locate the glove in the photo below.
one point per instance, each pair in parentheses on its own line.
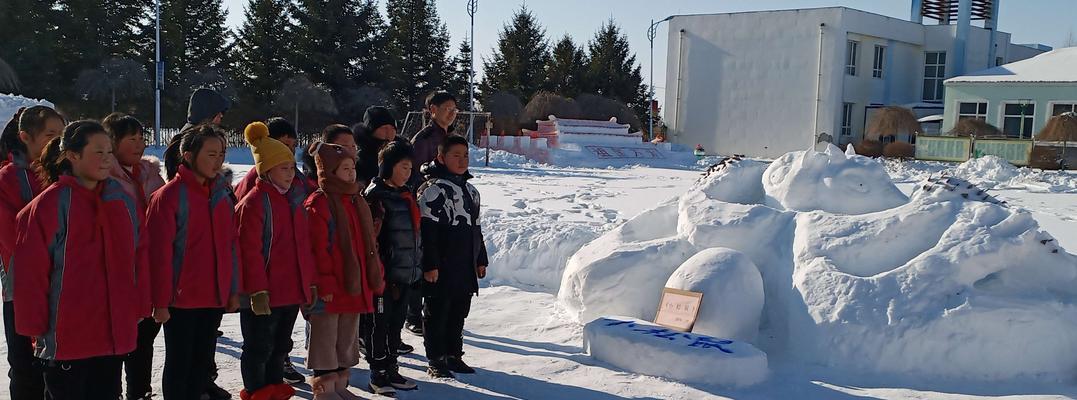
(260,303)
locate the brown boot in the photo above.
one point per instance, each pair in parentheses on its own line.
(342,385)
(324,387)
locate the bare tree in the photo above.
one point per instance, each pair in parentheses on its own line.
(121,77)
(300,94)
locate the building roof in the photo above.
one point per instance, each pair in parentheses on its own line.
(1057,66)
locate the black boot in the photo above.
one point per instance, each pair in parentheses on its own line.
(439,369)
(457,365)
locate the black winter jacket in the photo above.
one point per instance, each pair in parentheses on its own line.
(399,242)
(452,239)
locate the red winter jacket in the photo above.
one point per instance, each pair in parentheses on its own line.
(248,183)
(328,259)
(18,185)
(82,270)
(193,249)
(274,243)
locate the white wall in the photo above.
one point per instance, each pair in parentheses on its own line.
(749,80)
(746,83)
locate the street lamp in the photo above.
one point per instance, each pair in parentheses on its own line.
(652,31)
(472,6)
(159,69)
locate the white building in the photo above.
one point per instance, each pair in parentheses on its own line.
(768,82)
(1018,98)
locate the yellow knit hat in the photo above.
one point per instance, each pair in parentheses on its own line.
(268,152)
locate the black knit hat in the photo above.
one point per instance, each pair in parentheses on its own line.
(377,116)
(391,155)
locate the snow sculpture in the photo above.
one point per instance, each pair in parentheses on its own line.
(732,292)
(950,283)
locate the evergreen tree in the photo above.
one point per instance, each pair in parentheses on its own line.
(567,71)
(338,44)
(612,71)
(195,43)
(95,40)
(459,82)
(29,37)
(263,59)
(518,64)
(418,46)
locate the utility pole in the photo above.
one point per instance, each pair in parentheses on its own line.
(472,6)
(159,81)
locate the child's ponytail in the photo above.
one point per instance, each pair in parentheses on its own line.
(190,140)
(9,139)
(75,138)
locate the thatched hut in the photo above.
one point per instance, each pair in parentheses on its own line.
(1059,128)
(544,104)
(899,122)
(974,127)
(869,148)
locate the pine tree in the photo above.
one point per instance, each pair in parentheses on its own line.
(263,59)
(95,40)
(567,71)
(612,70)
(195,47)
(338,45)
(418,46)
(29,35)
(459,82)
(518,64)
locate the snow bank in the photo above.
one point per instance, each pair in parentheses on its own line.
(951,283)
(732,292)
(988,172)
(10,103)
(642,347)
(531,252)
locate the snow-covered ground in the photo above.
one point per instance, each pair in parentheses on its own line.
(527,346)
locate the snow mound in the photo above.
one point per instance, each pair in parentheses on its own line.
(531,252)
(642,347)
(732,292)
(10,103)
(950,283)
(988,171)
(498,158)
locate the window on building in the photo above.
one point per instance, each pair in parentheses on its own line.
(877,64)
(972,110)
(852,51)
(1017,119)
(847,119)
(934,74)
(1062,108)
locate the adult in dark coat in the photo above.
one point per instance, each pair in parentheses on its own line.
(442,108)
(377,129)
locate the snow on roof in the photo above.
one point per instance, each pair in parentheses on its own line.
(1057,66)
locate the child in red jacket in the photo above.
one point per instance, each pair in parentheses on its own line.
(139,176)
(194,260)
(276,263)
(20,147)
(82,268)
(349,274)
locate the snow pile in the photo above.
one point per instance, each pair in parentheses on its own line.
(10,103)
(987,171)
(498,158)
(950,283)
(531,252)
(639,346)
(732,292)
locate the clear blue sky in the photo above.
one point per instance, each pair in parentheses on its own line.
(1048,22)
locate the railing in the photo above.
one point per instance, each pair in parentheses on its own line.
(1020,152)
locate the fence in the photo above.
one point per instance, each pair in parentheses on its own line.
(1020,152)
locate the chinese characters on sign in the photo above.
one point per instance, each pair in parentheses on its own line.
(614,152)
(678,309)
(696,341)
